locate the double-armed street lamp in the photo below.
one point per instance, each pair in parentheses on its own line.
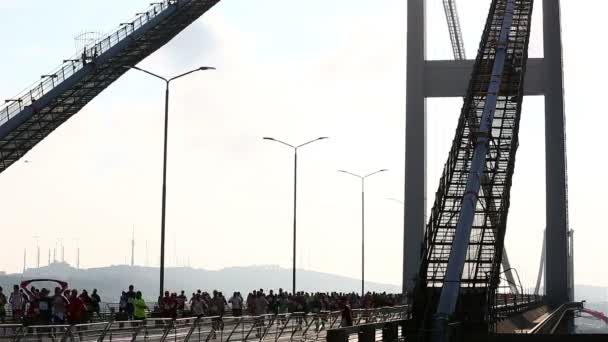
(295,196)
(362,222)
(164,190)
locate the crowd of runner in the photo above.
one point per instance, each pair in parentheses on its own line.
(40,306)
(258,302)
(69,306)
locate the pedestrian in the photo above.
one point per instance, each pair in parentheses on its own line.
(122,303)
(346,313)
(60,304)
(261,304)
(217,309)
(140,307)
(3,302)
(165,305)
(45,307)
(31,304)
(181,301)
(130,301)
(95,302)
(223,304)
(198,306)
(236,302)
(174,305)
(88,304)
(76,308)
(191,301)
(39,311)
(251,302)
(273,303)
(283,302)
(260,310)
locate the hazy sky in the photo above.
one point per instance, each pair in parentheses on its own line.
(294,70)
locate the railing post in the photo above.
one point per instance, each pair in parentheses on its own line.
(105,331)
(253,326)
(280,332)
(359,316)
(135,333)
(167,331)
(333,321)
(313,319)
(236,326)
(191,331)
(271,322)
(67,334)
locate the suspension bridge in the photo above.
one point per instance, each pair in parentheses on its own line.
(453,263)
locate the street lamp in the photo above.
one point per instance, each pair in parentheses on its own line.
(18,101)
(295,192)
(362,222)
(164,195)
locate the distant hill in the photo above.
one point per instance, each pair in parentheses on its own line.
(110,281)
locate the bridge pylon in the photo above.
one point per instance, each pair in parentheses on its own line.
(428,79)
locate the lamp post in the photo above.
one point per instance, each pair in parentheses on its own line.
(295,197)
(164,191)
(362,222)
(18,101)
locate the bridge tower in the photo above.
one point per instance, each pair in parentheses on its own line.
(428,79)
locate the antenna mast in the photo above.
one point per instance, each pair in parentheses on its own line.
(37,252)
(133,247)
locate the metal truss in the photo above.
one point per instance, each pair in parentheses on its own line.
(31,116)
(457,40)
(451,14)
(481,269)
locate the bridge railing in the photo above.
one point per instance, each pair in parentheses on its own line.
(285,327)
(507,305)
(386,331)
(77,62)
(550,323)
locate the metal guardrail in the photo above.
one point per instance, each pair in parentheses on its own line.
(283,327)
(77,62)
(388,328)
(389,331)
(550,323)
(507,306)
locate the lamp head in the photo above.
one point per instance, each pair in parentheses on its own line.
(206,68)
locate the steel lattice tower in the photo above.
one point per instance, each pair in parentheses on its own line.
(463,242)
(544,76)
(28,118)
